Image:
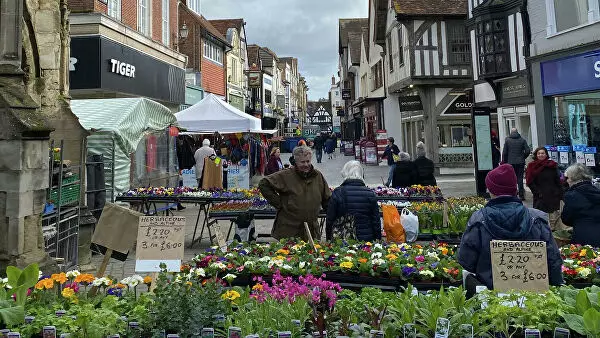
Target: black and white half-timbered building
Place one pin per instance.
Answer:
(429, 77)
(500, 37)
(319, 115)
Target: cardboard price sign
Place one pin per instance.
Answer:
(160, 240)
(519, 265)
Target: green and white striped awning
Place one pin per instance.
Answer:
(126, 121)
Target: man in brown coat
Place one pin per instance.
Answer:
(298, 194)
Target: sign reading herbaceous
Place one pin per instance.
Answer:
(519, 265)
(160, 240)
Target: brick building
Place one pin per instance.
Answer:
(206, 49)
(110, 37)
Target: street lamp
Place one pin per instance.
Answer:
(183, 31)
(10, 32)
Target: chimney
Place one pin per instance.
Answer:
(333, 80)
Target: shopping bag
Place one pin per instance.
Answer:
(391, 224)
(410, 223)
(396, 158)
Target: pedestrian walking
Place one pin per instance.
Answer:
(504, 217)
(199, 156)
(391, 154)
(515, 151)
(405, 173)
(424, 167)
(353, 208)
(582, 206)
(495, 149)
(543, 179)
(274, 164)
(297, 194)
(319, 143)
(330, 147)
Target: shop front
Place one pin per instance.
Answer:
(103, 68)
(571, 97)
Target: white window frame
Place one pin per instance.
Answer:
(144, 21)
(114, 9)
(194, 5)
(593, 17)
(213, 53)
(165, 22)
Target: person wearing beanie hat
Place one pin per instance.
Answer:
(505, 217)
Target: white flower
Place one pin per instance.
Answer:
(584, 272)
(199, 272)
(264, 259)
(286, 267)
(229, 255)
(352, 252)
(277, 262)
(348, 258)
(426, 273)
(568, 261)
(73, 273)
(376, 255)
(218, 265)
(378, 261)
(103, 281)
(249, 264)
(320, 259)
(40, 274)
(178, 279)
(302, 265)
(230, 276)
(433, 255)
(378, 246)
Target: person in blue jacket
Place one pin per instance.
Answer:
(505, 218)
(354, 198)
(581, 210)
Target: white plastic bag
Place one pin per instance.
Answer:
(410, 223)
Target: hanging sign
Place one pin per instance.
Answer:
(519, 265)
(189, 177)
(238, 176)
(590, 160)
(580, 157)
(160, 240)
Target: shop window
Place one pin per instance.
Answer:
(492, 47)
(570, 13)
(114, 9)
(459, 43)
(165, 22)
(144, 16)
(576, 120)
(460, 136)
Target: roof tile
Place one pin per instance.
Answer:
(430, 7)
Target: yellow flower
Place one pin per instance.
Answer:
(283, 252)
(318, 246)
(444, 251)
(84, 278)
(48, 283)
(188, 283)
(391, 257)
(258, 287)
(369, 243)
(60, 278)
(40, 285)
(583, 253)
(68, 293)
(231, 295)
(362, 260)
(346, 265)
(148, 280)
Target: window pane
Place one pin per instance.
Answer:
(570, 13)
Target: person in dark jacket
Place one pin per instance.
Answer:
(495, 149)
(505, 218)
(330, 147)
(515, 151)
(390, 150)
(405, 173)
(319, 142)
(582, 206)
(353, 197)
(424, 167)
(543, 178)
(274, 164)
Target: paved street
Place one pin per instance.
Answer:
(451, 185)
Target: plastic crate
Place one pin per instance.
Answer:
(68, 195)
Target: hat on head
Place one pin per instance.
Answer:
(502, 181)
(206, 142)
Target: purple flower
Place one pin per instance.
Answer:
(408, 270)
(435, 264)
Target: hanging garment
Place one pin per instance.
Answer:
(212, 177)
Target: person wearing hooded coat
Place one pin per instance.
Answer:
(405, 173)
(582, 206)
(505, 217)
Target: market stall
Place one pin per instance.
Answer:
(135, 132)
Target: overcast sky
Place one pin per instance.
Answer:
(306, 29)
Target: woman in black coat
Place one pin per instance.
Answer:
(543, 178)
(582, 206)
(405, 173)
(424, 167)
(354, 198)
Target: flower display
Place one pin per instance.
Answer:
(581, 264)
(433, 192)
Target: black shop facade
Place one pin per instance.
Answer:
(102, 68)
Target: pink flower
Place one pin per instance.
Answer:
(420, 259)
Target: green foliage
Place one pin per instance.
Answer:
(583, 316)
(12, 311)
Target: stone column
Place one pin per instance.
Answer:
(430, 125)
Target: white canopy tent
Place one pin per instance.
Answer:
(215, 115)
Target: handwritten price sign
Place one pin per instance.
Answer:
(519, 265)
(160, 240)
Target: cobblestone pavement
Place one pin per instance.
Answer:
(451, 185)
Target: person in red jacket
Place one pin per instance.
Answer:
(274, 164)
